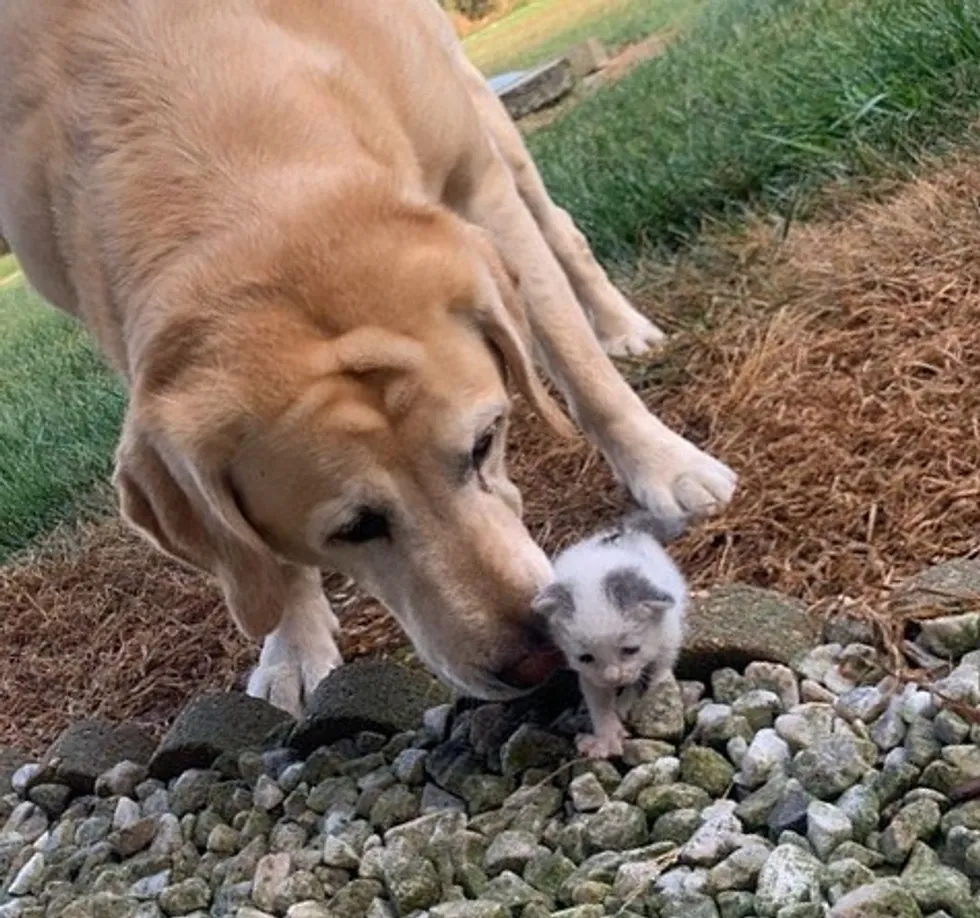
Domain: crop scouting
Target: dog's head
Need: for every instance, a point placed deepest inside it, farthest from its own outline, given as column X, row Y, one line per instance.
column 347, row 409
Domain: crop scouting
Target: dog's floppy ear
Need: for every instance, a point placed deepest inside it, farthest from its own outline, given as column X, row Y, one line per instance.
column 503, row 321
column 181, row 500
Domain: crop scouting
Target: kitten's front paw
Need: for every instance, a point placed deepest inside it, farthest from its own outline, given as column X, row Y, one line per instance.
column 605, row 745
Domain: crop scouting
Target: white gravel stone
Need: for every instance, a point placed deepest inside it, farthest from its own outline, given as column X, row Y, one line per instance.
column 267, row 794
column 127, row 813
column 29, row 876
column 827, row 828
column 767, row 753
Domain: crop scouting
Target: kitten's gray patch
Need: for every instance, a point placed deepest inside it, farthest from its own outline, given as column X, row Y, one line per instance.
column 554, row 599
column 653, row 526
column 627, row 588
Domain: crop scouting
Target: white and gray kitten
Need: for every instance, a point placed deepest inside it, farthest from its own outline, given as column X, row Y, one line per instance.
column 616, row 611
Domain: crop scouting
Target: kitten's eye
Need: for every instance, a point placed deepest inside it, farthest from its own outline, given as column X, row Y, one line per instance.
column 629, row 651
column 586, row 658
column 483, row 445
column 366, row 526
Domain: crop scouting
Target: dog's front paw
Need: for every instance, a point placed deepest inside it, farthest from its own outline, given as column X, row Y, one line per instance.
column 631, row 335
column 603, row 744
column 675, row 480
column 289, row 672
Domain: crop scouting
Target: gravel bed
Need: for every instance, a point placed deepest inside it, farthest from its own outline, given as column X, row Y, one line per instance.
column 822, row 788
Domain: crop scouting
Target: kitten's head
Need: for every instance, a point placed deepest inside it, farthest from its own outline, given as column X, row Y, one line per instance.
column 620, row 634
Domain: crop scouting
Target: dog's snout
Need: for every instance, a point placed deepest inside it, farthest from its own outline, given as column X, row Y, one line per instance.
column 539, row 660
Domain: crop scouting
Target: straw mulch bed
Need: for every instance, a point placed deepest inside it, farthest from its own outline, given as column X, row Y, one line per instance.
column 838, row 371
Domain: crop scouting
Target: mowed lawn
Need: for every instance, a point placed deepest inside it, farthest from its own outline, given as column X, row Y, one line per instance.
column 60, row 411
column 761, row 101
column 542, row 29
column 753, row 104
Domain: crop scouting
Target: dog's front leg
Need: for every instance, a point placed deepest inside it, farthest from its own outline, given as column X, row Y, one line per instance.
column 664, row 472
column 301, row 650
column 622, row 330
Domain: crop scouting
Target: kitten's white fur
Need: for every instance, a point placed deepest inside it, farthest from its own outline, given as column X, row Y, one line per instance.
column 616, row 610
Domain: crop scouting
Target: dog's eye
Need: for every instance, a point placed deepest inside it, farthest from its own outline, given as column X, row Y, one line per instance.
column 586, row 658
column 629, row 651
column 365, row 527
column 481, row 449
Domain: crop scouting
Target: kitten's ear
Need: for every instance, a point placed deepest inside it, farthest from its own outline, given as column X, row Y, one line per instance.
column 634, row 594
column 554, row 601
column 663, row 531
column 651, row 611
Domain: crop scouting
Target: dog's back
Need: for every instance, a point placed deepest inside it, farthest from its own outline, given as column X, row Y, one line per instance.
column 133, row 131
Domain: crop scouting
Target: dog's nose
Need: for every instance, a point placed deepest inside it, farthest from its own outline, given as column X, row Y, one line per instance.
column 539, row 659
column 532, row 669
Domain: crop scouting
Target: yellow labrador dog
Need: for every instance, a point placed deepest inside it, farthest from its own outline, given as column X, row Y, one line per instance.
column 296, row 229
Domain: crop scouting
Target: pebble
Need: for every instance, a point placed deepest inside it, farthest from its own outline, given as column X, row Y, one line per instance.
column 951, row 637
column 735, row 904
column 659, row 712
column 184, row 898
column 831, row 765
column 950, row 729
column 827, row 828
column 677, row 826
column 817, row 663
column 409, row 766
column 29, row 878
column 533, row 747
column 790, row 812
column 789, row 876
column 805, row 725
column 121, row 780
column 705, row 768
column 267, row 794
column 127, row 813
column 719, row 833
column 759, row 707
column 270, row 875
column 768, row 752
column 862, row 806
column 882, row 899
column 776, row 678
column 841, row 804
column 511, row 850
column 739, row 871
column 587, row 793
column 25, row 776
column 844, row 875
column 916, row 822
column 617, row 826
column 52, row 798
column 889, row 730
column 865, row 703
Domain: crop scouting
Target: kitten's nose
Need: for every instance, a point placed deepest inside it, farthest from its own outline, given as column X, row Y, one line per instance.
column 613, row 674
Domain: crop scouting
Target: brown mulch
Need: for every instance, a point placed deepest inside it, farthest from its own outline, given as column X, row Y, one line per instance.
column 838, row 371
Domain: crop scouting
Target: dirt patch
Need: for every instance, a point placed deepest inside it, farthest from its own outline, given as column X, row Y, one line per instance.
column 838, row 371
column 616, row 68
column 620, row 64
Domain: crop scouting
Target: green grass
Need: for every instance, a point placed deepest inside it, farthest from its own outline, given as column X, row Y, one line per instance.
column 540, row 30
column 756, row 103
column 8, row 267
column 60, row 412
